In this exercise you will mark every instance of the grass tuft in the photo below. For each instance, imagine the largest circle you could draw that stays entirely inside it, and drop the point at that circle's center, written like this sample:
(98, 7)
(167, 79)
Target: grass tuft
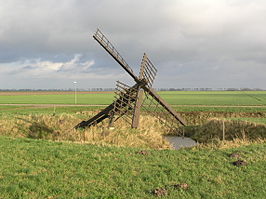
(61, 128)
(216, 130)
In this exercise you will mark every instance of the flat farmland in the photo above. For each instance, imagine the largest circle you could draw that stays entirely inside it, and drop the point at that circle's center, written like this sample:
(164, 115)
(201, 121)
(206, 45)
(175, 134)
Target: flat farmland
(126, 163)
(90, 98)
(213, 98)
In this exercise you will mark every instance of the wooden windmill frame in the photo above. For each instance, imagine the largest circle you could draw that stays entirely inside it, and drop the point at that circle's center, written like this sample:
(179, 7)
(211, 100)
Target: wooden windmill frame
(129, 100)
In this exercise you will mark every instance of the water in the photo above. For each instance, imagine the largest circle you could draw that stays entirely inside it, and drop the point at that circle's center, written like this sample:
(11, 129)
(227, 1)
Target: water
(180, 142)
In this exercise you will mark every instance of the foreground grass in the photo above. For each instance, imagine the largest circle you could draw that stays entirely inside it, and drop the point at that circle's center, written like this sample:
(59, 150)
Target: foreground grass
(43, 169)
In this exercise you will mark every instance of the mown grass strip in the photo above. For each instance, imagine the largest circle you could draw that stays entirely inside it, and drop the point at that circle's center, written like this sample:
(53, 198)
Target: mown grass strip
(74, 109)
(16, 110)
(173, 97)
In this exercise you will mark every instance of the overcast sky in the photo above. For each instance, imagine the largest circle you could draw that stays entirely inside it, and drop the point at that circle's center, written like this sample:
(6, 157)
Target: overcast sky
(208, 43)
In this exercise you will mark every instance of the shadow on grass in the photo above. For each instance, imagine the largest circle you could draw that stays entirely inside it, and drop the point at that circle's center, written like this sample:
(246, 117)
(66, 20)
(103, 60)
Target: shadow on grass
(37, 129)
(216, 130)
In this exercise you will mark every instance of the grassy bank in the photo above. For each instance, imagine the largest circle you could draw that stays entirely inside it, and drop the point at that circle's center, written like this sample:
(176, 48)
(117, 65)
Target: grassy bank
(216, 130)
(43, 169)
(60, 127)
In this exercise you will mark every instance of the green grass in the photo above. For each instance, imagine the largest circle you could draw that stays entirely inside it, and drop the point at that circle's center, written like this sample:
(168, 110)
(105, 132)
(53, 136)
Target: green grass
(173, 97)
(227, 98)
(220, 109)
(215, 97)
(99, 98)
(13, 110)
(43, 169)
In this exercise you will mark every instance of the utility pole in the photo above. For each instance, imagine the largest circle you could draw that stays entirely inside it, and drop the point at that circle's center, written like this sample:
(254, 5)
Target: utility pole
(75, 87)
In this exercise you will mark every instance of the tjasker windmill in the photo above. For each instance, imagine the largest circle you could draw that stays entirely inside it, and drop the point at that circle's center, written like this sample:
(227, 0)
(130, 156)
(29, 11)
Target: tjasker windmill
(130, 100)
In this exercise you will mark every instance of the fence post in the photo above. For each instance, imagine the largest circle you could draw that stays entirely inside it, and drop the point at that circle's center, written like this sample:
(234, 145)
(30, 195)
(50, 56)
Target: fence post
(223, 131)
(243, 134)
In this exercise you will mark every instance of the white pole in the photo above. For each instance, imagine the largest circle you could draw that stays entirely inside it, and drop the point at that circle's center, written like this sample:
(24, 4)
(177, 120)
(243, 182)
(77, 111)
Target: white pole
(223, 130)
(75, 83)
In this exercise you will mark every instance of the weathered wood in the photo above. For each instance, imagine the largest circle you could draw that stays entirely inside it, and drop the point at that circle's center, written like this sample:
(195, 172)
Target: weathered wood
(223, 130)
(139, 100)
(106, 44)
(110, 110)
(165, 105)
(136, 115)
(97, 118)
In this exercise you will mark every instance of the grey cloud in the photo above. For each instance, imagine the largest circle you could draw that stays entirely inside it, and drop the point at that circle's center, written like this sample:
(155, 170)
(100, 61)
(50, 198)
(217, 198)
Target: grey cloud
(193, 43)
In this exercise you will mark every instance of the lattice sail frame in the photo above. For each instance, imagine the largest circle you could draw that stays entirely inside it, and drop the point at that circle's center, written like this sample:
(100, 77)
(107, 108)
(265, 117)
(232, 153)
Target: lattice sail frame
(148, 71)
(124, 103)
(149, 104)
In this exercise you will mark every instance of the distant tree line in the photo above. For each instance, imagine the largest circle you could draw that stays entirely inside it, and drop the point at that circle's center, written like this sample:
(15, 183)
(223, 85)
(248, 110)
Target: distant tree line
(158, 89)
(210, 89)
(68, 89)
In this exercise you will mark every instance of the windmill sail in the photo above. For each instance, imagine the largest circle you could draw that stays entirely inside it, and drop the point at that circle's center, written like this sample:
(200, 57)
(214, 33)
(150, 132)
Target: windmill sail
(108, 46)
(124, 100)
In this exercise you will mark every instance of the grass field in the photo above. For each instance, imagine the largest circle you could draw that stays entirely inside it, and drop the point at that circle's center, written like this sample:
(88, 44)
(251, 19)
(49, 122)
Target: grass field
(173, 97)
(43, 169)
(99, 98)
(196, 101)
(17, 110)
(33, 168)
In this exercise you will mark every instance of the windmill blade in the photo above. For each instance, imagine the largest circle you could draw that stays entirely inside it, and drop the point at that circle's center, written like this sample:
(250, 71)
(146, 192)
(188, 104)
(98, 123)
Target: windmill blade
(147, 75)
(139, 100)
(125, 101)
(105, 113)
(108, 46)
(164, 104)
(126, 97)
(148, 71)
(152, 107)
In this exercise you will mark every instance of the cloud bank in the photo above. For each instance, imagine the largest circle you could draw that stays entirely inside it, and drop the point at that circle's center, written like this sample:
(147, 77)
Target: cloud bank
(193, 43)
